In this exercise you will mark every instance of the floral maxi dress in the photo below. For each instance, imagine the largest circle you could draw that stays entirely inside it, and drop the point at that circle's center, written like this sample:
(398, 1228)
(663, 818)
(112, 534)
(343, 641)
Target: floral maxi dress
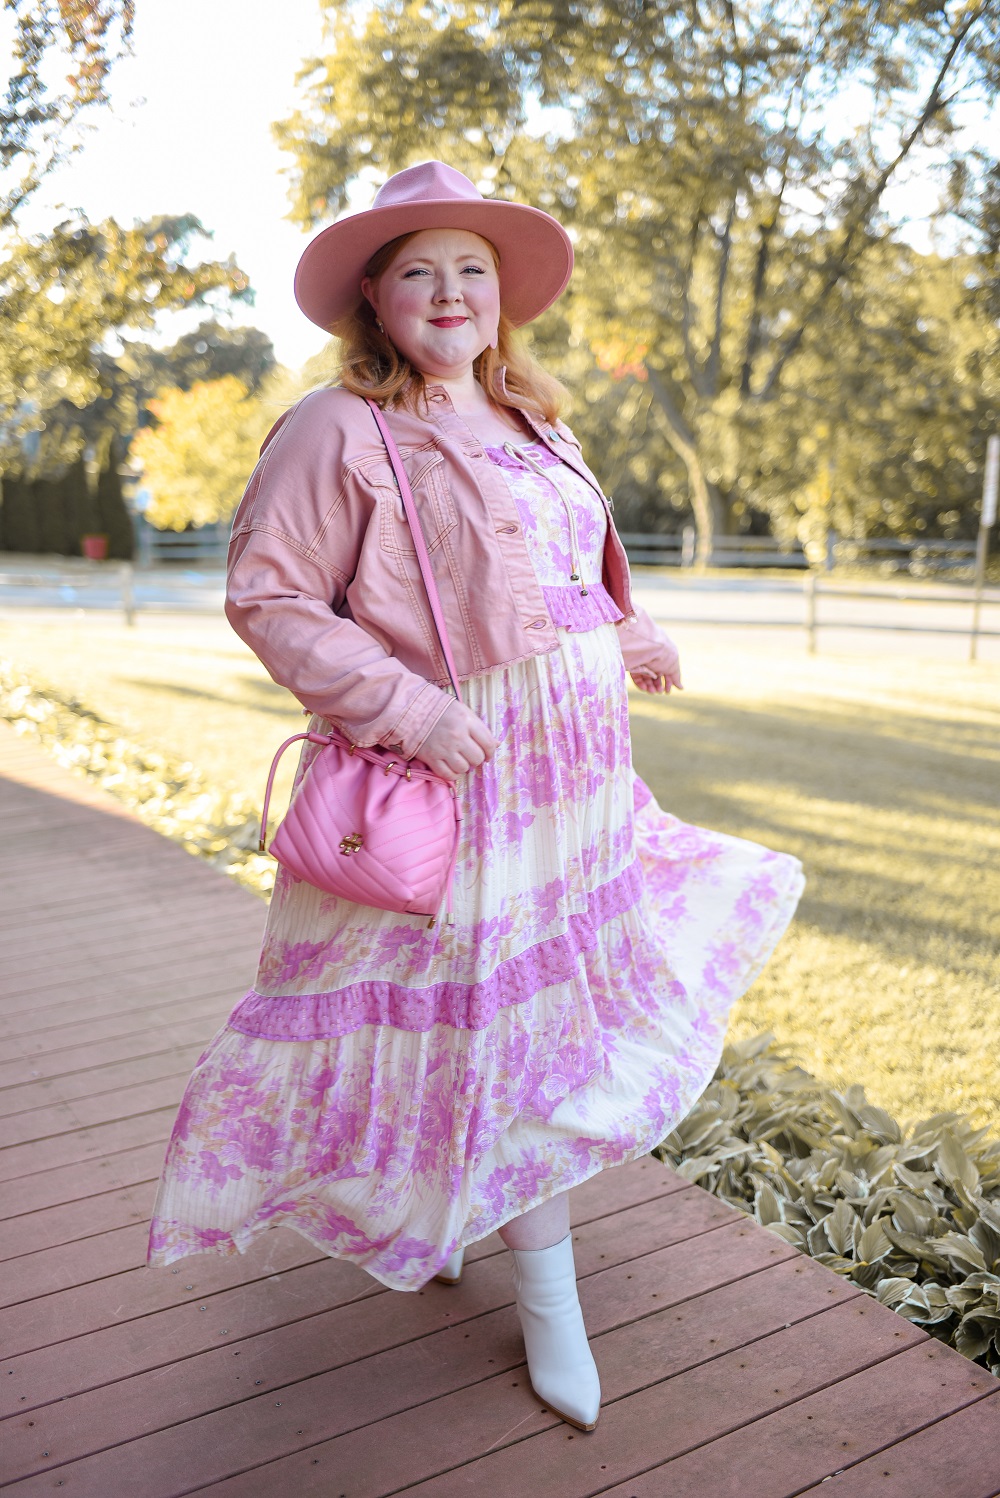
(392, 1090)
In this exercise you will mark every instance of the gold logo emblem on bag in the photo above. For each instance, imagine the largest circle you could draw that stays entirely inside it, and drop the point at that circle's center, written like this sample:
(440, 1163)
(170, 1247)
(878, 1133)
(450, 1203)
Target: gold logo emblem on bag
(351, 843)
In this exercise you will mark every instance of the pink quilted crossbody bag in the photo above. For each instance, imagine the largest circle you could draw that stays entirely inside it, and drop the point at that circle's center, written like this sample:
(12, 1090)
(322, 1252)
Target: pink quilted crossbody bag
(363, 823)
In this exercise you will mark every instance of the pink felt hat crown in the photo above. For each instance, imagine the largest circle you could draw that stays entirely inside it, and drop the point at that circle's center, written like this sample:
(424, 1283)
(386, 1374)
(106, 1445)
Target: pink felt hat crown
(536, 253)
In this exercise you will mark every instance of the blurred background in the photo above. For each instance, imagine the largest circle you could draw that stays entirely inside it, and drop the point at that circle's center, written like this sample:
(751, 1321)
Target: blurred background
(781, 348)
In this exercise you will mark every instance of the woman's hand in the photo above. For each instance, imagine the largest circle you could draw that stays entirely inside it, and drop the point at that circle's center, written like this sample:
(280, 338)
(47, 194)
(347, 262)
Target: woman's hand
(458, 742)
(660, 674)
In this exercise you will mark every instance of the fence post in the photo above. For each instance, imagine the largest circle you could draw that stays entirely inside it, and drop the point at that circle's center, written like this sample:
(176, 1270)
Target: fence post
(831, 550)
(127, 579)
(986, 518)
(811, 589)
(687, 546)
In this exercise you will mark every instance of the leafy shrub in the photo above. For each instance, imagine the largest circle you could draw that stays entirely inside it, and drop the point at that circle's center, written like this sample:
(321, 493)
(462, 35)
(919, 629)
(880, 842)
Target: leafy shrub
(910, 1215)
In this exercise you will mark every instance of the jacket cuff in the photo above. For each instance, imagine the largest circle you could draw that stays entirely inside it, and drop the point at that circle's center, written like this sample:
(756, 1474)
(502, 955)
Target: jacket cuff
(421, 714)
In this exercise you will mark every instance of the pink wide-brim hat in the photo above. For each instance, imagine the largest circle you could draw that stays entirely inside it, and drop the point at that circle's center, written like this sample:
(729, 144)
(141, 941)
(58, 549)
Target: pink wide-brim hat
(536, 253)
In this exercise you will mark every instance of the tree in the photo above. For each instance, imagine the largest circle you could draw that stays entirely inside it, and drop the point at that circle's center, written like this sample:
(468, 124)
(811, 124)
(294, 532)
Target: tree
(36, 123)
(113, 519)
(64, 294)
(726, 166)
(79, 505)
(50, 517)
(198, 457)
(209, 353)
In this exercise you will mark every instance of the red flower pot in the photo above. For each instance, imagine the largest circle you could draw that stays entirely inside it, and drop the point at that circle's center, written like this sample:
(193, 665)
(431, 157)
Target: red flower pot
(94, 548)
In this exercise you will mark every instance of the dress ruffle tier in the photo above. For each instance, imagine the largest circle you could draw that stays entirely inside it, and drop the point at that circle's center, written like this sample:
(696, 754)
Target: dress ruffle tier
(391, 1091)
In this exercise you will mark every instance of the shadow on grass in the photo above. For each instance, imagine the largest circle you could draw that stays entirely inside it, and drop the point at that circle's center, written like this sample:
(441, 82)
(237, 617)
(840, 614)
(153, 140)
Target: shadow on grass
(257, 694)
(894, 815)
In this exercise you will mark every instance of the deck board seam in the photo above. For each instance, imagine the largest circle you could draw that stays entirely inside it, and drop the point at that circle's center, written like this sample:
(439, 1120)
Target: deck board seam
(658, 1466)
(370, 1294)
(889, 1445)
(473, 1383)
(383, 1289)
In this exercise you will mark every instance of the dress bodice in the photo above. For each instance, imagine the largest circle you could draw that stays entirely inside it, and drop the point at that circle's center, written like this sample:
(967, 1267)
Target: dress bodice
(564, 525)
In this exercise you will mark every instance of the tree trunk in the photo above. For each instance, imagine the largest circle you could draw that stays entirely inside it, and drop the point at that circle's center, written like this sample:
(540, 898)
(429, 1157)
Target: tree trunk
(710, 513)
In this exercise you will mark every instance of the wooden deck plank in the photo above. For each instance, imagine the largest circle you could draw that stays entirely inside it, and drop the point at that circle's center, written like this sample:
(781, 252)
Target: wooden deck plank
(71, 1183)
(335, 1400)
(118, 1349)
(161, 993)
(359, 1341)
(954, 1458)
(161, 952)
(816, 1436)
(435, 1446)
(689, 1411)
(86, 1088)
(72, 1060)
(35, 1232)
(106, 1309)
(83, 1145)
(41, 1125)
(49, 1270)
(71, 1314)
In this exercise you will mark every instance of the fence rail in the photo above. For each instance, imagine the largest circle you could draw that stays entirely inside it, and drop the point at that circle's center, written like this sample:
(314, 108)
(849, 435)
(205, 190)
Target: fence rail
(889, 556)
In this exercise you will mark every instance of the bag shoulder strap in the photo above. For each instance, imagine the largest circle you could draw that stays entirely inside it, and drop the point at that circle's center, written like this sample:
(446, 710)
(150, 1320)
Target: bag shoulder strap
(420, 545)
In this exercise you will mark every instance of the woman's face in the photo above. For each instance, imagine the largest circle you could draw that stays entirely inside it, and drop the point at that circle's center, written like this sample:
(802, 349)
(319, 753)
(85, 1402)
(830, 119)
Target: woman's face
(439, 300)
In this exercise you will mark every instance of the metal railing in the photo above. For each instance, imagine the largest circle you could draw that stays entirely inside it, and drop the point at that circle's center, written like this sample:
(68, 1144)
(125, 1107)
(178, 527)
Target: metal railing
(206, 545)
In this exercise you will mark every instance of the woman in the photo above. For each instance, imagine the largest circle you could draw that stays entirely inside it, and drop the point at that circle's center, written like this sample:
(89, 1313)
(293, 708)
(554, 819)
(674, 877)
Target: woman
(395, 1091)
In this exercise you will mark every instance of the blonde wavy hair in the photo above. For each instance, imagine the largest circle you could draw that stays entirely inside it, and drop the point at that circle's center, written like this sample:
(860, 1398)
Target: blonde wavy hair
(370, 365)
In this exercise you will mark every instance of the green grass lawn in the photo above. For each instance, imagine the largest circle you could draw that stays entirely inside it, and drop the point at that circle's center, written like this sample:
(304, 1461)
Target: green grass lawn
(881, 773)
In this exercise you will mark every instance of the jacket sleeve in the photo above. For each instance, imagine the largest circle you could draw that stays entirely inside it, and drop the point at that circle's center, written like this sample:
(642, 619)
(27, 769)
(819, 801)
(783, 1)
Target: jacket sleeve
(645, 645)
(293, 552)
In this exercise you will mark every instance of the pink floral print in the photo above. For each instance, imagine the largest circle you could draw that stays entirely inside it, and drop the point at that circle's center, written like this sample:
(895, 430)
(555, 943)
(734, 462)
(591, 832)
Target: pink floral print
(391, 1091)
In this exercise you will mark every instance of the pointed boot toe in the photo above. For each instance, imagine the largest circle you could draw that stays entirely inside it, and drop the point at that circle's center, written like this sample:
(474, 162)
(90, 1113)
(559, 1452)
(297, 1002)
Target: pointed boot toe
(560, 1364)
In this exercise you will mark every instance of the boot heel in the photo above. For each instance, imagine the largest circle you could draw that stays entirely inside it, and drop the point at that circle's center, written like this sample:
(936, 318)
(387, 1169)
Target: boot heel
(450, 1272)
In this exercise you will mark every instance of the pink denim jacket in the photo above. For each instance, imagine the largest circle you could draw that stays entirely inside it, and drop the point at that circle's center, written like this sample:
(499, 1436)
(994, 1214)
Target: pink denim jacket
(323, 579)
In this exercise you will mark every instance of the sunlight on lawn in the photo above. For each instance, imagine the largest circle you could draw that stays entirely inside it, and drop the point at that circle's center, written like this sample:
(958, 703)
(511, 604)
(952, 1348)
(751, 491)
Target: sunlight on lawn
(881, 773)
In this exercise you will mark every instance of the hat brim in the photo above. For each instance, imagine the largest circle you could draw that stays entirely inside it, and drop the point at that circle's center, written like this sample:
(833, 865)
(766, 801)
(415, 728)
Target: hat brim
(536, 254)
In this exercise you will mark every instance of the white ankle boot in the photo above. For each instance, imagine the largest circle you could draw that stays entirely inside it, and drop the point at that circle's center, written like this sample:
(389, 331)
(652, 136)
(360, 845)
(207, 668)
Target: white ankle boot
(560, 1364)
(450, 1272)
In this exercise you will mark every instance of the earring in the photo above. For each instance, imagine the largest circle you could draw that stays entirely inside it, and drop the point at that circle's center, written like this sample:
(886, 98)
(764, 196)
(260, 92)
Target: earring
(378, 324)
(495, 339)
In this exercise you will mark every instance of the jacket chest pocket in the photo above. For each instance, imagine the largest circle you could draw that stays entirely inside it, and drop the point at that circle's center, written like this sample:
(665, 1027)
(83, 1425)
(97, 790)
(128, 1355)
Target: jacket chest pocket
(432, 497)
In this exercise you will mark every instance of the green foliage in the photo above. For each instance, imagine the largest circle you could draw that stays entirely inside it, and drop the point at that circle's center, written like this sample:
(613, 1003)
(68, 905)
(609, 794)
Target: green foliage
(211, 352)
(726, 171)
(198, 456)
(62, 295)
(912, 1215)
(84, 36)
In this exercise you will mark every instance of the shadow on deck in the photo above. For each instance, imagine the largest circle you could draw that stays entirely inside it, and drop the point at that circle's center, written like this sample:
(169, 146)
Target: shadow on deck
(731, 1364)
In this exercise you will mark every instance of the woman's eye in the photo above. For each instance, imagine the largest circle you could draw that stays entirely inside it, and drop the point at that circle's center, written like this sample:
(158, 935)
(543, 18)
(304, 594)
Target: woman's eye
(475, 270)
(418, 270)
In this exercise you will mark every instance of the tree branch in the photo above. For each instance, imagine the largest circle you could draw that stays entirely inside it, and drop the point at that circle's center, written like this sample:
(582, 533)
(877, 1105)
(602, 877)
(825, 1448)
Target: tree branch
(863, 211)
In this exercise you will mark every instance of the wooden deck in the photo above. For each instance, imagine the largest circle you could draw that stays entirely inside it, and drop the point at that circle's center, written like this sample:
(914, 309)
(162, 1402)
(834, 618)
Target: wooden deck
(731, 1364)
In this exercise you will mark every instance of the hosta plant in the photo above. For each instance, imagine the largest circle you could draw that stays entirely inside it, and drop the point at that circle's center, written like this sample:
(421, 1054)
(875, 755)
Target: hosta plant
(911, 1215)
